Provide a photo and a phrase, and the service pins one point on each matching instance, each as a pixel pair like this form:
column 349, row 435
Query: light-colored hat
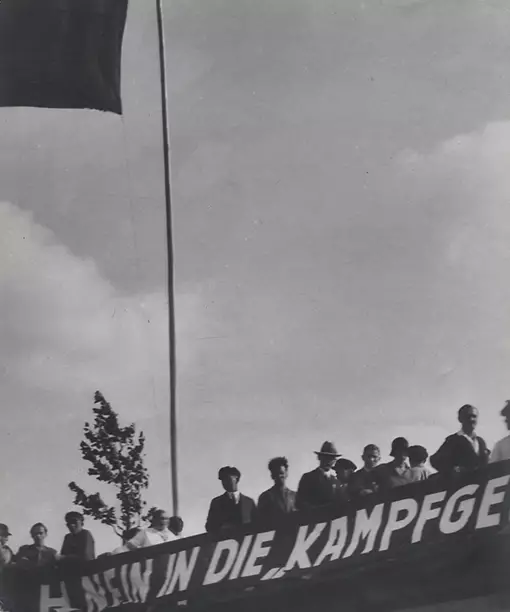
column 328, row 448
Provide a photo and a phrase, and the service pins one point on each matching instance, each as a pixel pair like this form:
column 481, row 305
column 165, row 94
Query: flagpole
column 170, row 260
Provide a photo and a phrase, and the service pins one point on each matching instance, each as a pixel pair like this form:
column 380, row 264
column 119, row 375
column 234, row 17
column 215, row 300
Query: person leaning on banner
column 396, row 473
column 464, row 450
column 318, row 487
column 78, row 545
column 366, row 480
column 344, row 469
column 232, row 509
column 278, row 501
column 157, row 533
column 418, row 456
column 501, row 450
column 36, row 555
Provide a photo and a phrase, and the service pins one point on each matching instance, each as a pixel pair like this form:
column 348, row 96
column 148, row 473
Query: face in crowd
column 160, row 520
column 468, row 417
column 39, row 533
column 327, row 462
column 279, row 470
column 344, row 471
column 230, row 482
column 371, row 457
column 74, row 523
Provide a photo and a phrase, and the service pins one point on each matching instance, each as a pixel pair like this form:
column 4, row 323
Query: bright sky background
column 342, row 230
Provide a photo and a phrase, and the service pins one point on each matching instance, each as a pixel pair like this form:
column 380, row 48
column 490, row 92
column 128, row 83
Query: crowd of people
column 79, row 545
column 338, row 480
column 335, row 480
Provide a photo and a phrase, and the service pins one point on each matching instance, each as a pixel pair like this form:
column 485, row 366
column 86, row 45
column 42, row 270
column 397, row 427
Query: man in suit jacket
column 318, row 487
column 278, row 501
column 232, row 509
column 463, row 450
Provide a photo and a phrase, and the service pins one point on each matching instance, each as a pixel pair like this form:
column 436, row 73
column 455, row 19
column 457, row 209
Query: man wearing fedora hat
column 318, row 487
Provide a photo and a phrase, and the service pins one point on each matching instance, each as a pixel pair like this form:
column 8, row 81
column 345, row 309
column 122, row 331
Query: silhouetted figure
column 464, row 450
column 317, row 488
column 232, row 509
column 501, row 450
column 279, row 500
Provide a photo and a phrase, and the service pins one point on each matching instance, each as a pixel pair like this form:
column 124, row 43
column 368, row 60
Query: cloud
column 467, row 176
column 66, row 331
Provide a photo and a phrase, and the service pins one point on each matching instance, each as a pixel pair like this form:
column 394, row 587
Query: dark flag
column 61, row 53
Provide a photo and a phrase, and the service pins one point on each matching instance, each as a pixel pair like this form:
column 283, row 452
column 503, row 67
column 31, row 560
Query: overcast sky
column 342, row 237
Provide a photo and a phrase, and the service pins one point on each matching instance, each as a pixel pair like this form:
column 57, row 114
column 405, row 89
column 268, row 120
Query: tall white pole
column 170, row 260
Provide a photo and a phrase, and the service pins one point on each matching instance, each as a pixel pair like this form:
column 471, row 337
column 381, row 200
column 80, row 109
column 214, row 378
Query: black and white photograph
column 254, row 305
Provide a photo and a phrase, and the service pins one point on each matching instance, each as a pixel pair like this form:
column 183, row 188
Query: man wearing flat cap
column 318, row 487
column 501, row 450
column 232, row 509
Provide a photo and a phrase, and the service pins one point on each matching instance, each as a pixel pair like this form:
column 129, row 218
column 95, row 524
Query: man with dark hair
column 396, row 473
column 418, row 455
column 232, row 509
column 78, row 544
column 318, row 487
column 464, row 450
column 501, row 450
column 278, row 501
column 366, row 481
column 176, row 525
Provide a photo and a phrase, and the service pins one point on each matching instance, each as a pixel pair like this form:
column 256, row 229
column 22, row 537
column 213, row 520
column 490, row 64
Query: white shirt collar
column 472, row 440
column 235, row 496
column 463, row 433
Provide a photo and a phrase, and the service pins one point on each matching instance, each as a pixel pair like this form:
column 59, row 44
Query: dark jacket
column 457, row 451
column 29, row 556
column 315, row 489
column 79, row 546
column 274, row 504
column 390, row 477
column 223, row 512
column 364, row 482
